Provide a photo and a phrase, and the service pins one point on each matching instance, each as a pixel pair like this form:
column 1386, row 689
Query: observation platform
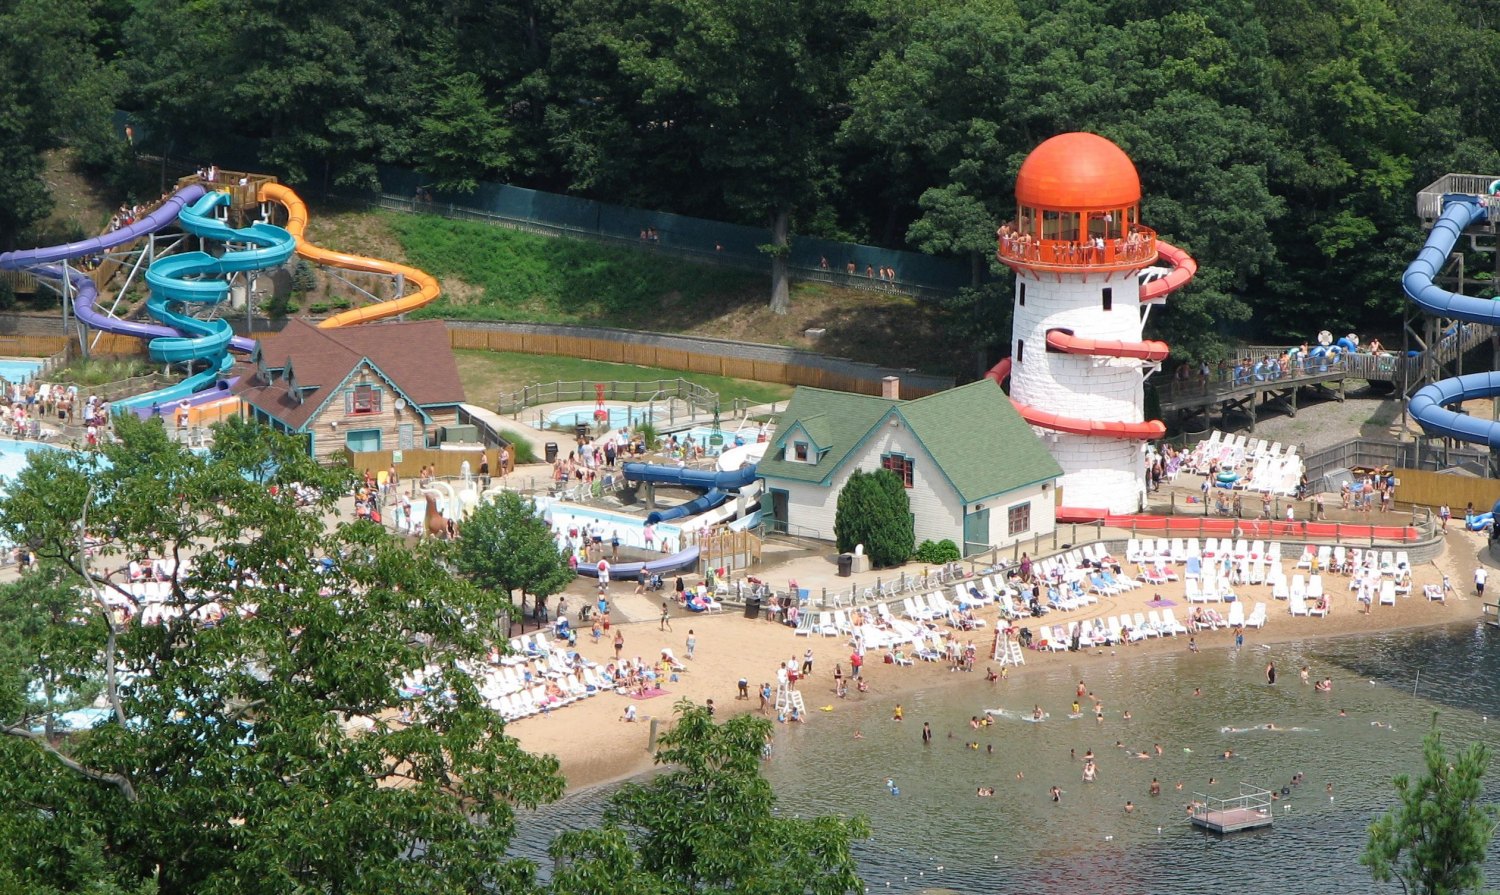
column 1077, row 254
column 1250, row 810
column 1430, row 200
column 243, row 188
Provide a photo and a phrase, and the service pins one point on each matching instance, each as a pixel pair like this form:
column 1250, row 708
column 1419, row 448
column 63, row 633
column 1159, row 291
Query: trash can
column 846, row 565
column 752, row 607
column 551, row 451
column 580, row 431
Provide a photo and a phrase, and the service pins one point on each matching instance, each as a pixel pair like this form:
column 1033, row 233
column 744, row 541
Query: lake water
column 937, row 834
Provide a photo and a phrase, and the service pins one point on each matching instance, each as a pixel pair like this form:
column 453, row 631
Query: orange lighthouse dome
column 1078, row 171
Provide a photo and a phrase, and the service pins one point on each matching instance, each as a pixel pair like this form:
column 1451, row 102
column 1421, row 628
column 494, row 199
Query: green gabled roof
column 816, row 427
column 979, row 440
column 835, row 421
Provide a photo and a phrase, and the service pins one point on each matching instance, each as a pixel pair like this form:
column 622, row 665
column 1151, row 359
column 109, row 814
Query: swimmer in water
column 1126, row 716
column 1056, row 794
column 1197, row 691
column 1179, row 786
column 1036, row 713
column 1272, row 727
column 1228, row 754
column 1155, row 787
column 1020, row 776
column 1146, row 755
column 1343, row 714
column 1158, row 750
column 1088, row 755
column 1129, row 807
column 858, row 735
column 1077, row 709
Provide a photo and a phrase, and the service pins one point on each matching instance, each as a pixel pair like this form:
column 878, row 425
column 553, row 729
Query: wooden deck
column 1178, row 397
column 1250, row 810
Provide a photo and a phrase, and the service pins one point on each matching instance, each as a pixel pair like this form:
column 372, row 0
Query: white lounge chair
column 1387, row 593
column 1236, row 614
column 1257, row 617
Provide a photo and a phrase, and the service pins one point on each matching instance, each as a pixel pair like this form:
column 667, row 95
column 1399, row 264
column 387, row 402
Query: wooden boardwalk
column 1179, row 397
column 1250, row 810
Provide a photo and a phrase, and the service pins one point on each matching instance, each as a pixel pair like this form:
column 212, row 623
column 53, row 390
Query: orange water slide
column 1144, row 431
column 427, row 285
column 1067, row 343
column 1184, row 268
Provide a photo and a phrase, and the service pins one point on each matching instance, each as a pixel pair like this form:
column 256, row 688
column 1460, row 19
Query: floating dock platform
column 1250, row 810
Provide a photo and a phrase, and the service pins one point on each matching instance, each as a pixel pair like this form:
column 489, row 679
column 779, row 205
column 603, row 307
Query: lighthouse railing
column 1136, row 249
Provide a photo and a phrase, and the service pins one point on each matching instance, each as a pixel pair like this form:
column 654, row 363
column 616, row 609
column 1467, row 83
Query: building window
column 799, row 451
column 1109, row 298
column 1021, row 293
column 900, row 464
column 364, row 399
column 1020, row 349
column 1018, row 519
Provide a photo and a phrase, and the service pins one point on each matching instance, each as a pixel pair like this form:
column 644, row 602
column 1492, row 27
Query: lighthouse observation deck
column 1070, row 250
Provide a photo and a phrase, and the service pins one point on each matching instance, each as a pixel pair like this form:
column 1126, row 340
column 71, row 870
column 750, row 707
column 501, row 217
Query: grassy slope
column 493, row 273
column 486, row 374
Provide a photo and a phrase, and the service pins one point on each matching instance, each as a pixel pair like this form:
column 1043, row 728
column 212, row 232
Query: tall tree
column 708, row 824
column 745, row 97
column 1434, row 841
column 506, row 546
column 292, row 717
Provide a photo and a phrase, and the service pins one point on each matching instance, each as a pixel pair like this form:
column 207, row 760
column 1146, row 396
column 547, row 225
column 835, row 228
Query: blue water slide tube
column 717, row 483
column 175, row 280
column 46, row 262
column 682, row 559
column 1429, row 406
column 707, row 479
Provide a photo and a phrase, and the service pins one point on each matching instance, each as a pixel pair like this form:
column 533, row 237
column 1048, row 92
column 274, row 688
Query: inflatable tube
column 1347, row 344
column 1479, row 522
column 682, row 559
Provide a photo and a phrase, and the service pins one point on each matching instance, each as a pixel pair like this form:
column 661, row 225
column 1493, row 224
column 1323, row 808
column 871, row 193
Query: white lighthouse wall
column 1099, row 471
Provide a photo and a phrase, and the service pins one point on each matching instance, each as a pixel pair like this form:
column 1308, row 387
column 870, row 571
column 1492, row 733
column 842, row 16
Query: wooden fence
column 642, row 353
column 1433, row 489
column 446, row 464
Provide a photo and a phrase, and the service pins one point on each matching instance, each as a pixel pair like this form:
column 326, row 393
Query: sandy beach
column 595, row 746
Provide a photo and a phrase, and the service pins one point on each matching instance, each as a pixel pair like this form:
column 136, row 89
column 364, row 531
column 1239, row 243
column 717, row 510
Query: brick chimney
column 890, row 387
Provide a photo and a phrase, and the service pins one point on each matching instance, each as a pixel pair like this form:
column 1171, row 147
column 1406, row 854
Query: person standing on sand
column 1271, row 673
column 619, row 643
column 692, row 643
column 666, row 618
column 1480, row 574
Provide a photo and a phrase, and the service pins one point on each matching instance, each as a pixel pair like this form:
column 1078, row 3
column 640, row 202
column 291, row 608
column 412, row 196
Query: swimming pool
column 18, row 369
column 631, row 529
column 13, row 455
column 620, row 416
column 704, row 435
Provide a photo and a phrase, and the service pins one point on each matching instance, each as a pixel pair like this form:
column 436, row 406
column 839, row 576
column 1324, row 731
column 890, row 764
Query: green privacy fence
column 696, row 239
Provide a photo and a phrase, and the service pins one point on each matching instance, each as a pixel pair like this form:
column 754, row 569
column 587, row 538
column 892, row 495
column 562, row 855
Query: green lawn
column 517, row 276
column 486, row 374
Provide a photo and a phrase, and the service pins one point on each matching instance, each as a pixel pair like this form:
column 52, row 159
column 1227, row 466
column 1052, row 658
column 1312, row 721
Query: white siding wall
column 1099, row 472
column 939, row 512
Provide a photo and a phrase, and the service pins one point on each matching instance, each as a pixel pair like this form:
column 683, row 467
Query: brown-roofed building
column 390, row 386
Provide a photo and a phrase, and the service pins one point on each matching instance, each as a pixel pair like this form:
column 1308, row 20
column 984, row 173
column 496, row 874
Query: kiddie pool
column 620, row 416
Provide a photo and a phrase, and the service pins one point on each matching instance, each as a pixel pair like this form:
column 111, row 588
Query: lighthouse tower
column 1078, row 362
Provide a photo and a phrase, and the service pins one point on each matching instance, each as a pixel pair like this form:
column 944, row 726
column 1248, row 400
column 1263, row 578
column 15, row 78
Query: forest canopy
column 1280, row 141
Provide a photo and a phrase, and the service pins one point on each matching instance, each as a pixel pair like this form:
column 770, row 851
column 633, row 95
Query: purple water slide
column 46, row 262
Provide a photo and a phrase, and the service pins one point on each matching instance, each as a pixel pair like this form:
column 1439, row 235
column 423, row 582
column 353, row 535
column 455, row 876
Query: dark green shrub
column 937, row 553
column 873, row 510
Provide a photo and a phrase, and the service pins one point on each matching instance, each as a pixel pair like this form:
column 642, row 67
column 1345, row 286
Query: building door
column 976, row 532
column 359, row 440
column 778, row 510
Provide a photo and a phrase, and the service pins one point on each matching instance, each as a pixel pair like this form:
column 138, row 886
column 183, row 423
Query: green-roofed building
column 977, row 473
